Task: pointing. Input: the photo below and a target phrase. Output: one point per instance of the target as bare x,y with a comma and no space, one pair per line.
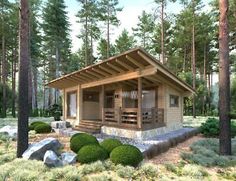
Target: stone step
97,127
91,122
87,130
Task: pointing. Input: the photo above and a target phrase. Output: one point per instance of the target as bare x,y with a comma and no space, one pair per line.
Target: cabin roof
116,68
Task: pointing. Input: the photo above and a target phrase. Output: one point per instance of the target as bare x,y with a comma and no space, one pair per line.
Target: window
109,99
71,104
174,101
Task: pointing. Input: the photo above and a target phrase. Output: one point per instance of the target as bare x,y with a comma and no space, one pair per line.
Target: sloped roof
124,63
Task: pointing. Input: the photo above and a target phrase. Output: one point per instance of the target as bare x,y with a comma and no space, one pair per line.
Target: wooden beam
115,67
88,76
107,70
82,78
102,103
126,76
125,65
147,59
135,62
95,74
101,72
140,115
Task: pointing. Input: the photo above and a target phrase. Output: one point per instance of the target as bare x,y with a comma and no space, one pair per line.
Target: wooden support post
64,105
80,104
140,115
102,103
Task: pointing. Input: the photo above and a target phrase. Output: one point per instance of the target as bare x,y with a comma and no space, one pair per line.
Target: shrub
43,128
211,128
206,153
126,155
81,139
34,124
91,153
110,144
125,171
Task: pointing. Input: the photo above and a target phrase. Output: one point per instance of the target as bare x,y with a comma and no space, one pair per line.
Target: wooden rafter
115,67
95,74
122,77
107,70
139,65
101,72
88,76
80,78
125,65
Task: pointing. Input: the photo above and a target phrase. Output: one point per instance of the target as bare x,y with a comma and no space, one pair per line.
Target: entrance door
91,107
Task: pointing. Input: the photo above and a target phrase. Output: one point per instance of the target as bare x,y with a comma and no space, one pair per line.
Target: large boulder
51,159
37,150
68,158
10,131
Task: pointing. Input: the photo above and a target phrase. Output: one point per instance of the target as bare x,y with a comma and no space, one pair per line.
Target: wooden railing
128,117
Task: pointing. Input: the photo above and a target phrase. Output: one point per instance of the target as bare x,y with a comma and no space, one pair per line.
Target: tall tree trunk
162,33
4,79
14,60
87,62
30,86
184,63
193,58
23,113
35,87
224,80
108,31
204,76
56,93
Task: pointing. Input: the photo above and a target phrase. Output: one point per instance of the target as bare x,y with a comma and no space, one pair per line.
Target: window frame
67,104
175,97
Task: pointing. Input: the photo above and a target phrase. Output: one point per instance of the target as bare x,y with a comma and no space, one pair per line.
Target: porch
128,118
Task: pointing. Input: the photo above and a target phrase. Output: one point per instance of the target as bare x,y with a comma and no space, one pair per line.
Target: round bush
80,140
126,155
34,124
110,144
43,128
91,153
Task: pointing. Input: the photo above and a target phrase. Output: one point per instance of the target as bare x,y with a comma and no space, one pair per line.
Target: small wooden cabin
130,95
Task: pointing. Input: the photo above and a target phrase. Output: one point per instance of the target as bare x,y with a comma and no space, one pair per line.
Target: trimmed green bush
126,155
211,128
81,139
34,124
91,153
43,128
110,144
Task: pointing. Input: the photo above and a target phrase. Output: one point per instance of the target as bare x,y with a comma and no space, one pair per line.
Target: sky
128,16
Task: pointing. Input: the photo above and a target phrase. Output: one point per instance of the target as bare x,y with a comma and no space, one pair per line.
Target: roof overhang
128,65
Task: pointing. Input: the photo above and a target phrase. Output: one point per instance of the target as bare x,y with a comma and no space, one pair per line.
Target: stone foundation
141,135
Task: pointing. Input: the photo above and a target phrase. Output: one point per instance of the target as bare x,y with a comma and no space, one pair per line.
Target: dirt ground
173,154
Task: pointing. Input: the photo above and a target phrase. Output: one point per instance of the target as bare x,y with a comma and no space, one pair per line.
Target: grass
206,165
206,153
13,121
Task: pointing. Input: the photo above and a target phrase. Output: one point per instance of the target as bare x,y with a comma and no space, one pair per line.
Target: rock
10,131
60,124
68,158
37,150
51,159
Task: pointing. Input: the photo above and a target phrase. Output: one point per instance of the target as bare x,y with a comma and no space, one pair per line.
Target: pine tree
89,16
56,38
109,9
224,80
23,113
144,29
124,42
